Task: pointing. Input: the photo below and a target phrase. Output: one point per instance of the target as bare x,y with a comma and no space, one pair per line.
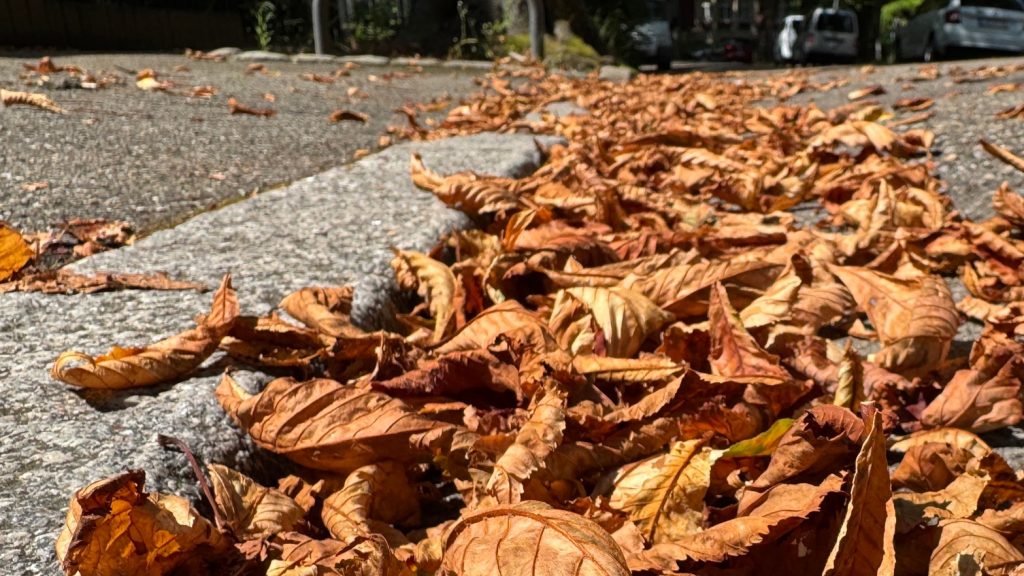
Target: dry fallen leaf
236,108
862,93
865,544
13,98
1003,154
530,538
113,527
372,425
341,115
15,253
163,361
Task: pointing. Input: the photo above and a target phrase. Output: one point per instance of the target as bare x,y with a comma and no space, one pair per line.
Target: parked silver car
830,35
938,27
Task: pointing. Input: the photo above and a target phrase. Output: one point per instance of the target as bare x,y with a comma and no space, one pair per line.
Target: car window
1004,4
835,22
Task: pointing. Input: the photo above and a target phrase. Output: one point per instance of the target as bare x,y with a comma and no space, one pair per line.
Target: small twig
169,442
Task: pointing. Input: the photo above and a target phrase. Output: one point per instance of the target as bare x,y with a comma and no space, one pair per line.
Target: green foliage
484,42
373,26
573,53
892,12
264,14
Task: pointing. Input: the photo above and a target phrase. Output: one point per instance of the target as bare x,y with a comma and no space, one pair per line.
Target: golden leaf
251,511
375,492
664,495
916,319
625,318
761,445
14,252
324,309
323,424
530,538
865,544
113,527
163,361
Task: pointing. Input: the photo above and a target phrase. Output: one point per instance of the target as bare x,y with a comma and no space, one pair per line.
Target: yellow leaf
14,252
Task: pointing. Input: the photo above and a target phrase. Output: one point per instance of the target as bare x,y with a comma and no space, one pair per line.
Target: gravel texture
156,158
332,228
962,114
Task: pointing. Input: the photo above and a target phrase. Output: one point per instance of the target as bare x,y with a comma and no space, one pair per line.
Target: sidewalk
332,228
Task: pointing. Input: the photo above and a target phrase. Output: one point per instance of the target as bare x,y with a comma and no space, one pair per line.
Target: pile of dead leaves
652,356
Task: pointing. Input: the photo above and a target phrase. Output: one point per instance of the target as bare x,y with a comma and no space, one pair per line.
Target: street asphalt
156,158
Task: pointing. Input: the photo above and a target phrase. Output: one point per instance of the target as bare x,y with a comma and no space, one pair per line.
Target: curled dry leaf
342,115
14,98
324,309
237,108
1003,154
249,510
530,538
957,500
865,543
777,511
536,440
979,400
324,425
378,492
434,282
114,527
163,361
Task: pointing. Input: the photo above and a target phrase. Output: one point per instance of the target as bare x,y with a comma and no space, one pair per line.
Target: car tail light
953,16
810,38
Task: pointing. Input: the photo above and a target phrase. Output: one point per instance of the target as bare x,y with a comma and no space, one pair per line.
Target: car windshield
1004,4
836,22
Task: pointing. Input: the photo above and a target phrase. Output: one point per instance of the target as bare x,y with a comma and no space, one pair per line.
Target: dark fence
111,26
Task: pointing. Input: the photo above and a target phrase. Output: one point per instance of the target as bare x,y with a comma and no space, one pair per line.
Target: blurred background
581,33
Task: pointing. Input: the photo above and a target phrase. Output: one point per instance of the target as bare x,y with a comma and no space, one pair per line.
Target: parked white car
937,27
829,36
786,41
